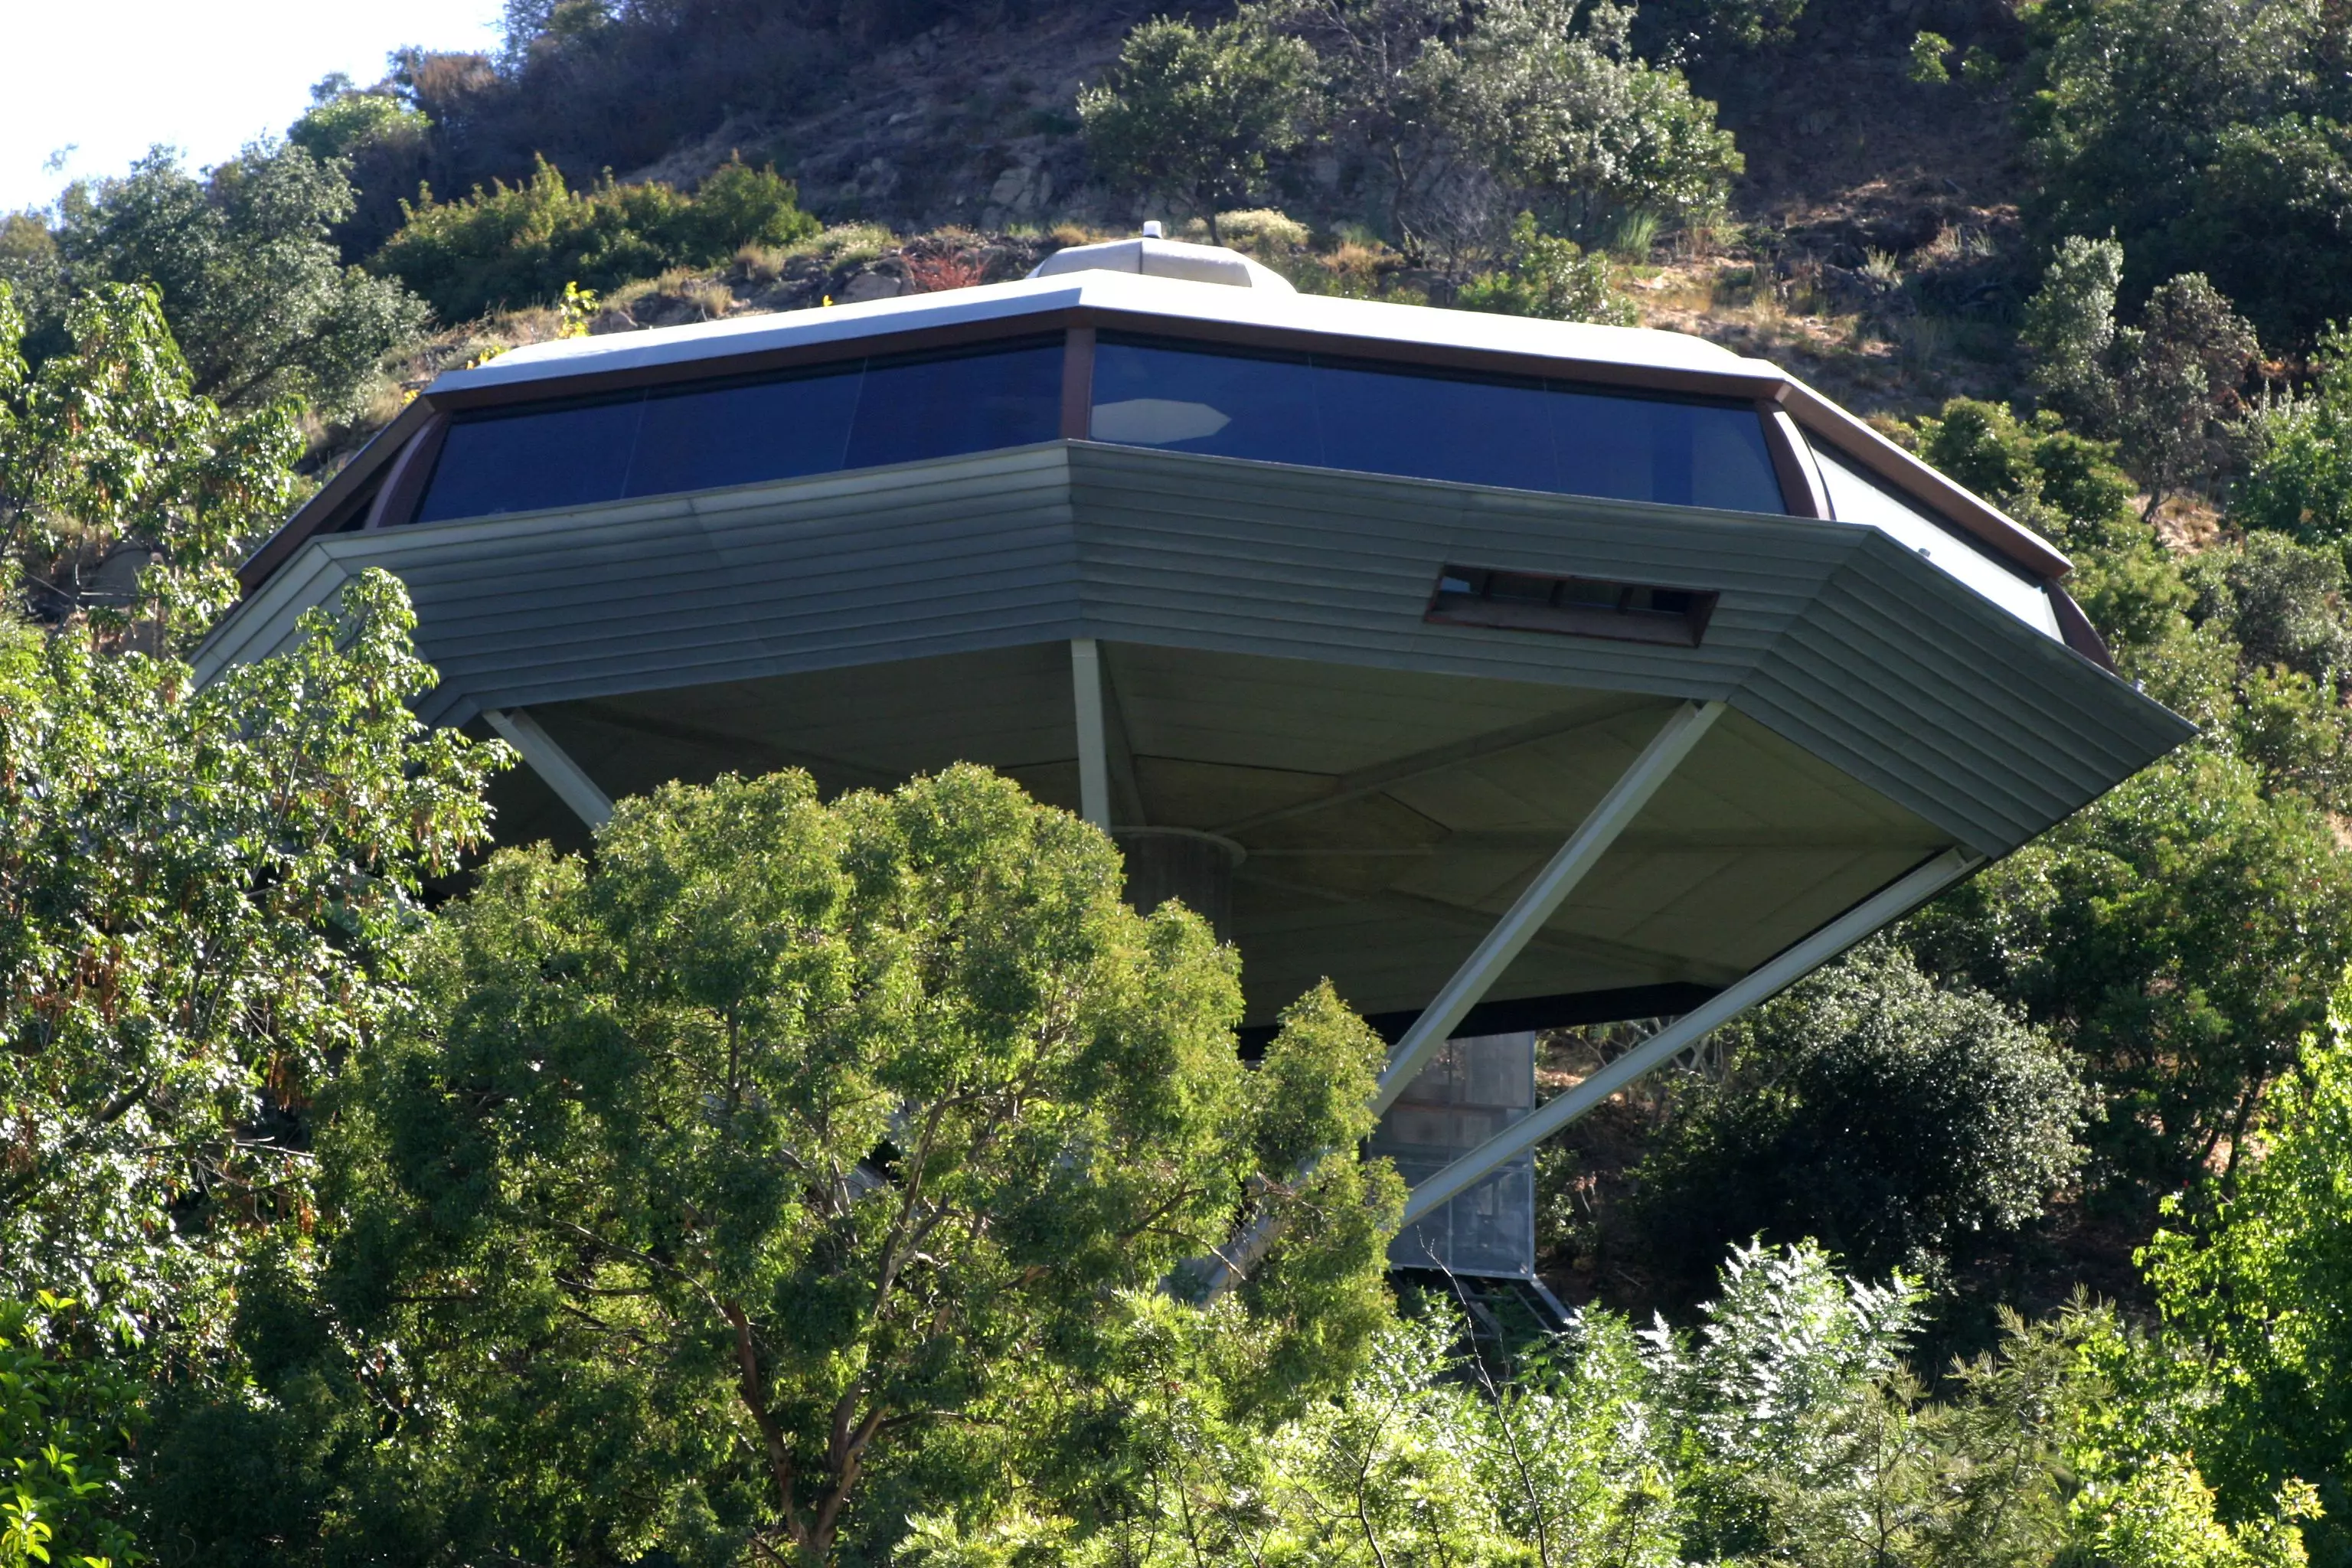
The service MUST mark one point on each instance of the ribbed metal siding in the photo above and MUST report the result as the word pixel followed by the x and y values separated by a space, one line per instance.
pixel 1831 635
pixel 932 558
pixel 1307 563
pixel 1947 705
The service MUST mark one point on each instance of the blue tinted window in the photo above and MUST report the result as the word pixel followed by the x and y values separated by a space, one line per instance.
pixel 1525 434
pixel 1680 453
pixel 972 402
pixel 1232 406
pixel 743 435
pixel 855 416
pixel 1436 427
pixel 520 462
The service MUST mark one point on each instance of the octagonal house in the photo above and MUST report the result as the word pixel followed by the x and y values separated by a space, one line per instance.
pixel 1510 673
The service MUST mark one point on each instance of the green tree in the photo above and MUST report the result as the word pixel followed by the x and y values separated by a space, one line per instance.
pixel 343 123
pixel 2256 1288
pixel 1755 1403
pixel 765 1180
pixel 1194 116
pixel 1557 105
pixel 2299 482
pixel 205 897
pixel 62 1441
pixel 1466 115
pixel 2181 936
pixel 1385 76
pixel 1900 1123
pixel 2208 137
pixel 384 145
pixel 2070 325
pixel 2164 390
pixel 124 494
pixel 251 282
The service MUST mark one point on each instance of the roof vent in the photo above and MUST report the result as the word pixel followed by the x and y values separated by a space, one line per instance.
pixel 1156 257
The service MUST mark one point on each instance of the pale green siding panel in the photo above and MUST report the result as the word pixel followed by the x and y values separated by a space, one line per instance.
pixel 1831 635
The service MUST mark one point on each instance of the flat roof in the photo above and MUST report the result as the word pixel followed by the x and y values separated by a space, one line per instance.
pixel 1372 320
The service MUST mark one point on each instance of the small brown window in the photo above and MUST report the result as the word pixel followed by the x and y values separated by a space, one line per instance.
pixel 1573 606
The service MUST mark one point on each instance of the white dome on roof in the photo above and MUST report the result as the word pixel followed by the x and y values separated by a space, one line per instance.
pixel 1156 257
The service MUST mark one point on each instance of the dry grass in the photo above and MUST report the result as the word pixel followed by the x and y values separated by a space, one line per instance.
pixel 759 265
pixel 2186 523
pixel 846 244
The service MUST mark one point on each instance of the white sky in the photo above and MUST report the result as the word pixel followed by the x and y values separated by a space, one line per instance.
pixel 112 78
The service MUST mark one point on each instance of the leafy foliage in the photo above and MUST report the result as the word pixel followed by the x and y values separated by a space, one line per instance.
pixel 2164 390
pixel 764 1179
pixel 126 495
pixel 2207 136
pixel 2299 482
pixel 1549 277
pixel 1900 1122
pixel 1194 115
pixel 1927 53
pixel 521 245
pixel 205 897
pixel 1554 97
pixel 2180 937
pixel 2257 1288
pixel 385 146
pixel 341 122
pixel 61 1441
pixel 254 288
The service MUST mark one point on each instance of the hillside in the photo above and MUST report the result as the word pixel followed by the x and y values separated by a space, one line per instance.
pixel 745 1190
pixel 1877 234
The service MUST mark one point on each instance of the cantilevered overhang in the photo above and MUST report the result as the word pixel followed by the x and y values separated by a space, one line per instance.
pixel 1275 676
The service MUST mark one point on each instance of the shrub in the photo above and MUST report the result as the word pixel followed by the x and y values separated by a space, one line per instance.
pixel 1895 1121
pixel 1549 277
pixel 2166 388
pixel 1928 52
pixel 2300 481
pixel 515 246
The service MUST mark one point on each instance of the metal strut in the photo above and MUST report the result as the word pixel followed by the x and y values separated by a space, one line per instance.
pixel 1541 898
pixel 552 763
pixel 1094 741
pixel 1793 963
pixel 1509 936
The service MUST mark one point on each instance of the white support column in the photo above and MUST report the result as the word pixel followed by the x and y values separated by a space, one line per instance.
pixel 1542 896
pixel 552 763
pixel 1094 752
pixel 1889 904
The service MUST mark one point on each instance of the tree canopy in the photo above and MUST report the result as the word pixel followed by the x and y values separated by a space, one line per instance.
pixel 254 288
pixel 790 1162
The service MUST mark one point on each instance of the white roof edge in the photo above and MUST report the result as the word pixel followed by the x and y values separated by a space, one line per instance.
pixel 1995 528
pixel 1178 298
